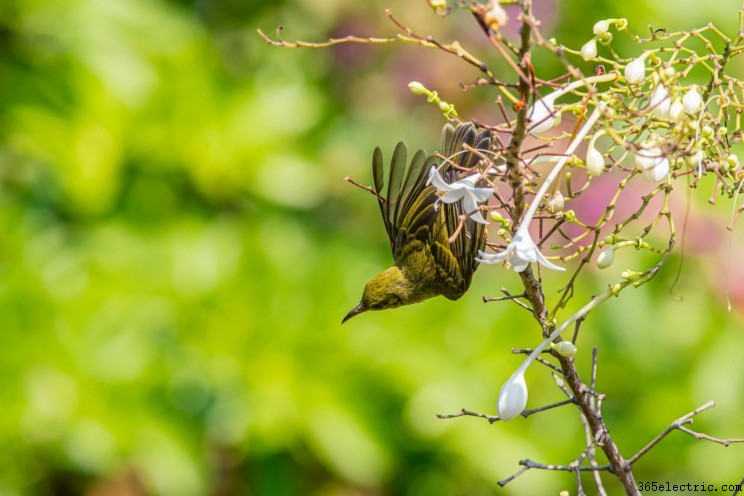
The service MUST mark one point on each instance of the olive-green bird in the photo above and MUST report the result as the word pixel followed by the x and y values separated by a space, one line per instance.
pixel 419 226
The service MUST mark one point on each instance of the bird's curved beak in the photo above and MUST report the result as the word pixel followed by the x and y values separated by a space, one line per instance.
pixel 354 311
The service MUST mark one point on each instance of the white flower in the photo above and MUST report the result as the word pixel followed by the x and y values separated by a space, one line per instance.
pixel 541 115
pixel 601 27
pixel 606 258
pixel 464 190
pixel 692 101
pixel 520 253
pixel 512 397
pixel 589 50
pixel 659 102
pixel 594 161
pixel 676 111
pixel 635 72
pixel 496 15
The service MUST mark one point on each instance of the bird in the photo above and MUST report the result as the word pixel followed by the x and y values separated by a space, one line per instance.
pixel 419 225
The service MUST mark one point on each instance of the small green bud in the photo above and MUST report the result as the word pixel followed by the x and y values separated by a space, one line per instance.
pixel 553 41
pixel 569 215
pixel 501 232
pixel 610 240
pixel 417 88
pixel 722 131
pixel 445 107
pixel 616 288
pixel 564 348
pixel 496 216
pixel 707 131
pixel 629 274
pixel 606 258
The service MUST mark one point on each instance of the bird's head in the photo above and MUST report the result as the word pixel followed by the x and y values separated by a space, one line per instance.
pixel 389 289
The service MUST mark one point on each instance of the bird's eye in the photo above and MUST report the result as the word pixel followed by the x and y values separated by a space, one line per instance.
pixel 376 306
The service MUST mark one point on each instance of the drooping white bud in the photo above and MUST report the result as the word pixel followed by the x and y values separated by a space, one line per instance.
pixel 542 115
pixel 601 27
pixel 647 157
pixel 659 172
pixel 676 111
pixel 512 397
pixel 659 101
pixel 692 101
pixel 589 50
pixel 635 72
pixel 606 258
pixel 594 161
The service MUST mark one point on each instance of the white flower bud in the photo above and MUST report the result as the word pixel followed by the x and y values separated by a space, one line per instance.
pixel 601 27
pixel 695 159
pixel 555 203
pixel 594 161
pixel 496 16
pixel 512 397
pixel 606 258
pixel 565 348
pixel 417 88
pixel 676 111
pixel 659 172
pixel 589 50
pixel 541 115
pixel 635 72
pixel 732 161
pixel 647 157
pixel 659 101
pixel 692 101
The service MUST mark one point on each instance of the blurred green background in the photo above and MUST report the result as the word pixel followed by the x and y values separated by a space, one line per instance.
pixel 178 249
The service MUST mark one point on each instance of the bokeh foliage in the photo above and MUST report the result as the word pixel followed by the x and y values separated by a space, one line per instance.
pixel 178 250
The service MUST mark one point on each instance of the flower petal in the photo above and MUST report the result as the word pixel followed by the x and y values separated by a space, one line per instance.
pixel 517 264
pixel 481 194
pixel 436 180
pixel 491 258
pixel 453 195
pixel 469 205
pixel 547 263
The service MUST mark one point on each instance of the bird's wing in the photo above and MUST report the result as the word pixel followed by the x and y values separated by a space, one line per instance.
pixel 415 220
pixel 456 261
pixel 408 206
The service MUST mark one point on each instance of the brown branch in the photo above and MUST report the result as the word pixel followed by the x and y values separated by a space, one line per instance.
pixel 365 188
pixel 679 425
